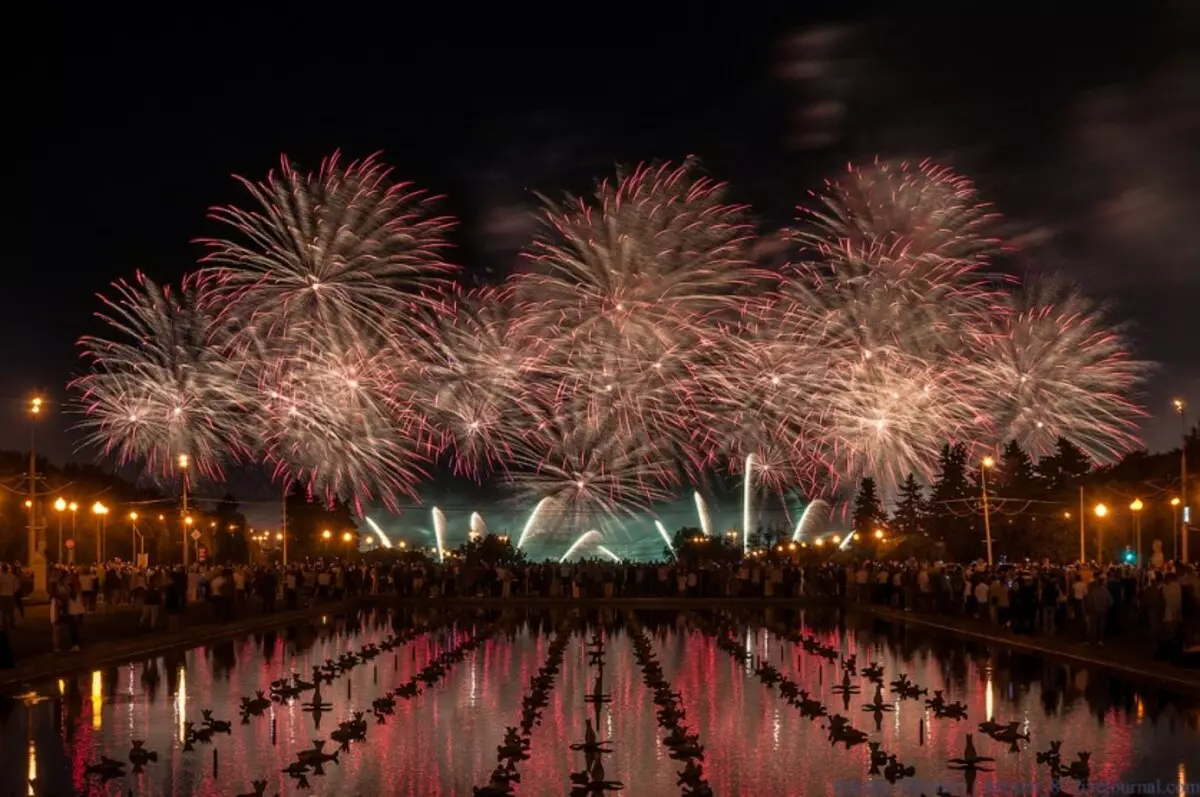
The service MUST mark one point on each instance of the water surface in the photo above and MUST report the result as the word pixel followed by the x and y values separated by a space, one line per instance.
pixel 443 741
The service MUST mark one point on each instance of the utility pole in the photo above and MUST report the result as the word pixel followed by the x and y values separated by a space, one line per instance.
pixel 283 526
pixel 34 559
pixel 1181 408
pixel 986 463
pixel 183 524
pixel 1082 542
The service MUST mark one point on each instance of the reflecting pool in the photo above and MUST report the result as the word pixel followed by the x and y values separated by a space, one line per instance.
pixel 469 678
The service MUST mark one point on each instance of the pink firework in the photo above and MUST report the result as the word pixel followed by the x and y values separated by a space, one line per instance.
pixel 335 249
pixel 1059 367
pixel 158 385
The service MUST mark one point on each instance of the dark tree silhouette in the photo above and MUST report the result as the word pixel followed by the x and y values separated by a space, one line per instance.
pixel 868 509
pixel 950 512
pixel 911 507
pixel 1065 467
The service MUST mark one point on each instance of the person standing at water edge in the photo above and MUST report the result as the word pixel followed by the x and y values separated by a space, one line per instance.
pixel 75 610
pixel 1096 604
pixel 8 601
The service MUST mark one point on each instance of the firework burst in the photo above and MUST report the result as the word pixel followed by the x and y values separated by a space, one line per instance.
pixel 640 351
pixel 1059 367
pixel 916 213
pixel 338 249
pixel 474 383
pixel 327 417
pixel 158 384
pixel 632 282
pixel 896 258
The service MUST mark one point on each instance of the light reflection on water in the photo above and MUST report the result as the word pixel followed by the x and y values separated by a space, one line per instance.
pixel 444 741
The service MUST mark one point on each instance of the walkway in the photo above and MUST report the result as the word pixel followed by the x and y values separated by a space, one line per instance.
pixel 1119 655
pixel 114 636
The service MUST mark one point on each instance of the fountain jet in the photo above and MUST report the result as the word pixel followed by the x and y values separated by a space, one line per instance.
pixel 608 553
pixel 587 535
pixel 812 520
pixel 702 511
pixel 747 482
pixel 478 527
pixel 666 537
pixel 533 516
pixel 439 532
pixel 383 538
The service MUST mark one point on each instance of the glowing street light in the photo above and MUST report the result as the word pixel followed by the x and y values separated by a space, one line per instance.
pixel 133 535
pixel 879 534
pixel 60 506
pixel 1101 512
pixel 101 513
pixel 1136 507
pixel 35 411
pixel 986 464
pixel 184 462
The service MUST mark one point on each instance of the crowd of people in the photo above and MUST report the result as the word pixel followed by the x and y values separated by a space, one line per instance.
pixel 1084 601
pixel 1088 601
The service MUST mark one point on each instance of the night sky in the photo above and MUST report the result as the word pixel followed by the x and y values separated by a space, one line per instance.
pixel 1080 125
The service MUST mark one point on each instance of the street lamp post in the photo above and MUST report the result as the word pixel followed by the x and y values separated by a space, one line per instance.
pixel 1136 507
pixel 183 514
pixel 101 512
pixel 1101 512
pixel 74 507
pixel 325 535
pixel 133 539
pixel 32 558
pixel 1175 502
pixel 187 525
pixel 984 465
pixel 60 506
pixel 1181 408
